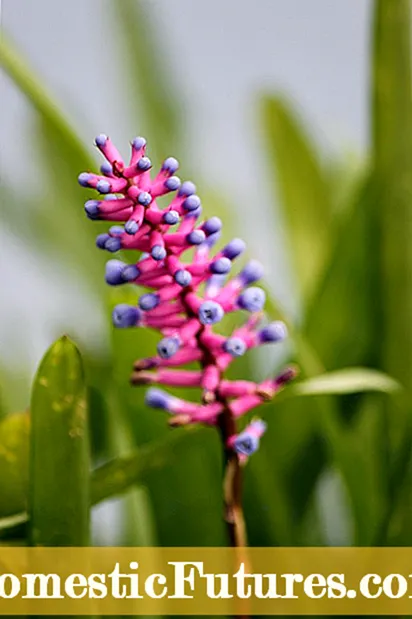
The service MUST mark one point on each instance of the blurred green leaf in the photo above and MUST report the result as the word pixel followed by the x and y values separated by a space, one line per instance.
pixel 14 438
pixel 59 471
pixel 302 187
pixel 350 380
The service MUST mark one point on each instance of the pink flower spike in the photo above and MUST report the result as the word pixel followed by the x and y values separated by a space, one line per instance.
pixel 106 146
pixel 179 378
pixel 138 146
pixel 210 378
pixel 236 388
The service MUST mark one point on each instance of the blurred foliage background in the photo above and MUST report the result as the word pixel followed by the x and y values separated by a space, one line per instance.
pixel 335 465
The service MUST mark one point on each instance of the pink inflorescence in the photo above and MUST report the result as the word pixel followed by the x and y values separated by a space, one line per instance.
pixel 187 298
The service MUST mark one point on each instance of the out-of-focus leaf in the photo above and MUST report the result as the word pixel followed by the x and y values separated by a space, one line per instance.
pixel 60 467
pixel 145 66
pixel 350 380
pixel 303 190
pixel 14 440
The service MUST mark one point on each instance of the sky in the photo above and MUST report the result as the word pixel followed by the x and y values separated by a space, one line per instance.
pixel 222 54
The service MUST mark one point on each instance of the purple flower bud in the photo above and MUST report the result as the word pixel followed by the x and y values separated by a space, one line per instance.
pixel 235 346
pixel 167 347
pixel 183 277
pixel 212 239
pixel 171 218
pixel 106 168
pixel 116 230
pixel 148 301
pixel 234 249
pixel 252 299
pixel 251 273
pixel 191 203
pixel 221 266
pixel 156 398
pixel 130 273
pixel 173 183
pixel 144 163
pixel 113 244
pixel 138 143
pixel 103 186
pixel 110 196
pixel 210 312
pixel 246 444
pixel 131 226
pixel 92 209
pixel 170 164
pixel 83 179
pixel 196 237
pixel 125 316
pixel 274 332
pixel 212 225
pixel 158 252
pixel 144 198
pixel 101 240
pixel 114 272
pixel 101 140
pixel 187 189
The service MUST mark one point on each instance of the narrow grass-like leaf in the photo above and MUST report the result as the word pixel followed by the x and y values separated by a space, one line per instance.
pixel 14 439
pixel 59 471
pixel 350 380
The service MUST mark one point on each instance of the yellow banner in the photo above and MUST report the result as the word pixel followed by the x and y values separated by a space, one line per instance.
pixel 205 581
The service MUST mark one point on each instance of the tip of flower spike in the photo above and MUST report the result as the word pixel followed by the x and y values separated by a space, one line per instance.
pixel 252 272
pixel 212 239
pixel 252 300
pixel 114 272
pixel 173 183
pixel 197 237
pixel 144 198
pixel 221 266
pixel 274 332
pixel 167 347
pixel 210 312
pixel 103 186
pixel 131 226
pixel 235 346
pixel 101 240
pixel 138 143
pixel 148 301
pixel 106 168
pixel 144 164
pixel 156 398
pixel 158 253
pixel 234 249
pixel 191 203
pixel 83 179
pixel 171 165
pixel 124 316
pixel 187 189
pixel 183 277
pixel 171 218
pixel 259 426
pixel 212 225
pixel 287 375
pixel 245 444
pixel 101 140
pixel 92 209
pixel 130 273
pixel 116 230
pixel 113 244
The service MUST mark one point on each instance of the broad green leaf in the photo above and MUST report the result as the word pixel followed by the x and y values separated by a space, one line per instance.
pixel 59 458
pixel 14 440
pixel 351 380
pixel 302 187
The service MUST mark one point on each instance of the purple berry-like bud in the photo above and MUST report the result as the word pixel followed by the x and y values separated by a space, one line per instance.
pixel 148 301
pixel 167 347
pixel 103 186
pixel 113 244
pixel 170 164
pixel 106 168
pixel 171 218
pixel 101 140
pixel 83 179
pixel 210 312
pixel 191 203
pixel 130 273
pixel 158 252
pixel 131 226
pixel 274 332
pixel 251 273
pixel 212 239
pixel 196 237
pixel 252 299
pixel 144 163
pixel 114 272
pixel 144 198
pixel 156 398
pixel 221 266
pixel 116 230
pixel 234 249
pixel 138 143
pixel 183 277
pixel 92 209
pixel 246 443
pixel 101 240
pixel 110 196
pixel 125 316
pixel 173 183
pixel 212 225
pixel 187 189
pixel 235 346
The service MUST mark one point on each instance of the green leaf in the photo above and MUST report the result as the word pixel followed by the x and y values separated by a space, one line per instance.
pixel 14 439
pixel 302 187
pixel 350 380
pixel 59 471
